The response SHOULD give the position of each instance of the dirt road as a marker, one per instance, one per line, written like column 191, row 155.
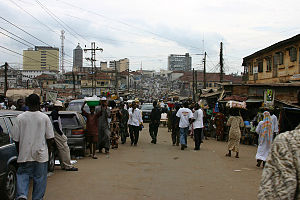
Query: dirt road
column 160, row 171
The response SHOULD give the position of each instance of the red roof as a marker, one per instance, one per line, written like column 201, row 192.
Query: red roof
column 211, row 77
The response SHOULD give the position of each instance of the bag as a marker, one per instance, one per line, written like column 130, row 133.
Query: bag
column 141, row 127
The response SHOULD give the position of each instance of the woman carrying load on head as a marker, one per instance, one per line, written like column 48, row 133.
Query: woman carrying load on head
column 235, row 121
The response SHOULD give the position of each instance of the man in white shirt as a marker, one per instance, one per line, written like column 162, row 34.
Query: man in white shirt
column 134, row 122
column 197, row 126
column 185, row 115
column 31, row 134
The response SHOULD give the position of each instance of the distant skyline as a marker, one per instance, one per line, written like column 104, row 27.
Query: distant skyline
column 147, row 31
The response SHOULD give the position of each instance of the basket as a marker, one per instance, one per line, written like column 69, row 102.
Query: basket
column 92, row 103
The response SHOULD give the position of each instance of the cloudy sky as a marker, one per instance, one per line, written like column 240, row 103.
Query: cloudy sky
column 147, row 31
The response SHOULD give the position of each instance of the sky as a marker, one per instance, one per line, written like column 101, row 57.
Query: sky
column 147, row 31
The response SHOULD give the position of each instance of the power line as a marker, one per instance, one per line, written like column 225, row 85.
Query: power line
column 129, row 25
column 24, row 31
column 58, row 20
column 15, row 39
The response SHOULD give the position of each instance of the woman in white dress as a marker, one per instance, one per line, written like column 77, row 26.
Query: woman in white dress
column 265, row 133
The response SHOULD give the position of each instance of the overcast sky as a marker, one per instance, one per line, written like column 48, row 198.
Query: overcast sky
column 147, row 31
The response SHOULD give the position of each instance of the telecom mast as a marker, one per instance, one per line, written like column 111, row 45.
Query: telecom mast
column 62, row 52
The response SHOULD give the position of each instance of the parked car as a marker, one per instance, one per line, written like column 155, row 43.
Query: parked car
column 75, row 105
column 8, row 156
column 146, row 109
column 73, row 125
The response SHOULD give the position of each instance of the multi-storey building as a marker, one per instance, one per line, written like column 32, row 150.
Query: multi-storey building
column 41, row 59
column 179, row 62
column 120, row 65
column 77, row 58
column 274, row 64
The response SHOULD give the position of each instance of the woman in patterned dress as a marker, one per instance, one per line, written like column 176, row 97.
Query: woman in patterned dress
column 235, row 121
column 265, row 132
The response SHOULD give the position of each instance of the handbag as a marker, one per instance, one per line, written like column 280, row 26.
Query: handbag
column 141, row 127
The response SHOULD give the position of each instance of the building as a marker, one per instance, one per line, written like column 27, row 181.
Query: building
column 78, row 57
column 179, row 62
column 41, row 59
column 120, row 65
column 102, row 83
column 14, row 78
column 274, row 64
column 103, row 66
column 29, row 75
column 44, row 80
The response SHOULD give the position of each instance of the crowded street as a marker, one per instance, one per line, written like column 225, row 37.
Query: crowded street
column 160, row 171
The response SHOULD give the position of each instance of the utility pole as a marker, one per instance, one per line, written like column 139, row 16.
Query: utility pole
column 62, row 53
column 116, row 79
column 74, row 86
column 193, row 85
column 128, row 81
column 221, row 63
column 5, row 78
column 196, row 84
column 93, row 50
column 204, row 72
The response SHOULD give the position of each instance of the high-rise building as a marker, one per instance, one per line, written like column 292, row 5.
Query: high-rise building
column 78, row 57
column 121, row 65
column 179, row 62
column 41, row 59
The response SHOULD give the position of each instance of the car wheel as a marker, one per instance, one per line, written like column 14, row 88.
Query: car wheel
column 10, row 183
column 51, row 162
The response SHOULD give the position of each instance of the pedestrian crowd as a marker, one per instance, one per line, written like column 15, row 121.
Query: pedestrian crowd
column 36, row 132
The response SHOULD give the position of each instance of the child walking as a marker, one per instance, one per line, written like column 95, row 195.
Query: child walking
column 91, row 128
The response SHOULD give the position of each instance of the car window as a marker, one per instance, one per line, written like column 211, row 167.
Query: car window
column 76, row 106
column 82, row 120
column 147, row 107
column 69, row 120
column 4, row 137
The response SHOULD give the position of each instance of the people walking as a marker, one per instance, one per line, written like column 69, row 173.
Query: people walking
column 134, row 122
column 114, row 126
column 235, row 122
column 31, row 133
column 175, row 126
column 219, row 121
column 185, row 115
column 197, row 126
column 123, row 123
column 264, row 130
column 91, row 128
column 103, row 126
column 155, row 116
column 61, row 139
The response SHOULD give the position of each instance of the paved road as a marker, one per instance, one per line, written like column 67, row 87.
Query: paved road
column 160, row 171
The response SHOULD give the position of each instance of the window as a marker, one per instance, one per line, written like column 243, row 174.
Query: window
column 4, row 137
column 210, row 85
column 102, row 83
column 215, row 84
column 280, row 58
column 260, row 66
column 269, row 64
column 251, row 69
column 293, row 54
